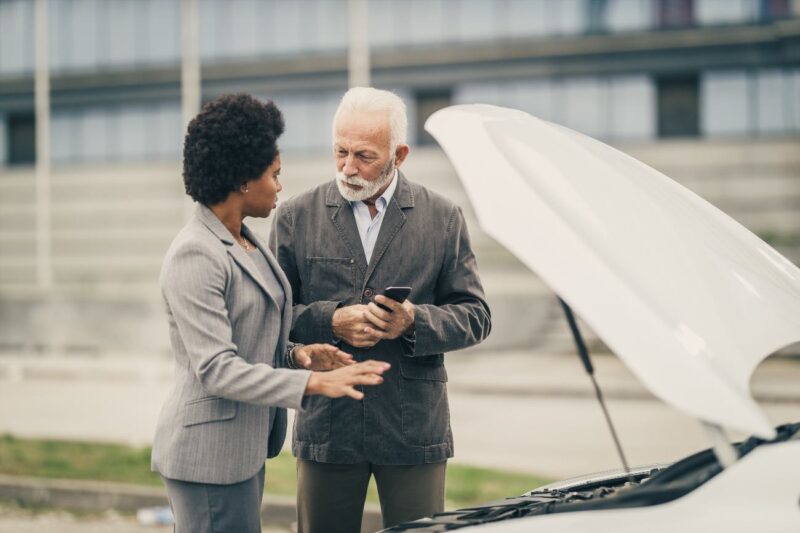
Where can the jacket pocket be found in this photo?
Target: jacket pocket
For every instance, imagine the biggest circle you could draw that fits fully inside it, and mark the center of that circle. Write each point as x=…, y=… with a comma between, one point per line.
x=424, y=369
x=207, y=410
x=330, y=278
x=425, y=409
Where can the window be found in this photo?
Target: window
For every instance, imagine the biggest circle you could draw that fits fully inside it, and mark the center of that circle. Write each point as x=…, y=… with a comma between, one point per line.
x=596, y=16
x=678, y=109
x=774, y=9
x=675, y=13
x=429, y=101
x=21, y=139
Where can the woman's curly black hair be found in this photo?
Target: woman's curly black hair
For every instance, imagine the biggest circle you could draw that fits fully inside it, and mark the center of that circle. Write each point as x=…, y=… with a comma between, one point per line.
x=231, y=141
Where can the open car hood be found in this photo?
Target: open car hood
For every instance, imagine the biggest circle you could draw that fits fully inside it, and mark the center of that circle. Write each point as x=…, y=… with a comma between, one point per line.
x=687, y=297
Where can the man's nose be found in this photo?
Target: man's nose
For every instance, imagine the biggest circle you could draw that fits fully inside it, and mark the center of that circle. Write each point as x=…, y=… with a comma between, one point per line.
x=349, y=167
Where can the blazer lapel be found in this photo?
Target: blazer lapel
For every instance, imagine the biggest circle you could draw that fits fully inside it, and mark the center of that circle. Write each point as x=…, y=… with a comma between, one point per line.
x=240, y=256
x=345, y=223
x=286, y=312
x=393, y=220
x=237, y=252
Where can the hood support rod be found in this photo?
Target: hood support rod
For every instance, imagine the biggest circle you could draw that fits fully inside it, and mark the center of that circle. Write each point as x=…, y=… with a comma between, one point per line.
x=583, y=353
x=725, y=451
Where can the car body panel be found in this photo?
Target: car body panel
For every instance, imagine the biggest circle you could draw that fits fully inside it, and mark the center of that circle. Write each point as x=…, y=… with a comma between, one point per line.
x=738, y=500
x=689, y=299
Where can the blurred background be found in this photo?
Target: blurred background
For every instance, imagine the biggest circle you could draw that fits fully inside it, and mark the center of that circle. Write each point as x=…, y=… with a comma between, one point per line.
x=95, y=95
x=707, y=91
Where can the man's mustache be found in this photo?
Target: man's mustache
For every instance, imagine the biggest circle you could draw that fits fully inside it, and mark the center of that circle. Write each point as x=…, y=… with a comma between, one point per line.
x=352, y=180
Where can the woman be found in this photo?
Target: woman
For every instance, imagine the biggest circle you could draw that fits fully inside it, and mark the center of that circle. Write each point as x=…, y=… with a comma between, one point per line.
x=229, y=309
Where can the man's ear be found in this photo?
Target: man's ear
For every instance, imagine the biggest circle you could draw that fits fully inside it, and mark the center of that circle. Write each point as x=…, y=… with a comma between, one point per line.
x=400, y=154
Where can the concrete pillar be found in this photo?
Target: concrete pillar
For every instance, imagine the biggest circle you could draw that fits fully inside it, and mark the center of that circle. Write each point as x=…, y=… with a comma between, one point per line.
x=358, y=47
x=191, y=84
x=44, y=268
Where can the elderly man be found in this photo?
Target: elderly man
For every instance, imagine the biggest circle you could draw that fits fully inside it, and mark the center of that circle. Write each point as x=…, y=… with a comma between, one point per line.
x=340, y=245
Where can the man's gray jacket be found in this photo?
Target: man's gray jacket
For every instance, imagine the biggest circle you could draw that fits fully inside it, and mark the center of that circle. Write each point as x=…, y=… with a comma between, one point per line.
x=423, y=244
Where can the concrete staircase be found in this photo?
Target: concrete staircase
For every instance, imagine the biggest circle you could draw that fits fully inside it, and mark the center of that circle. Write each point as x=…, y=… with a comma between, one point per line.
x=111, y=225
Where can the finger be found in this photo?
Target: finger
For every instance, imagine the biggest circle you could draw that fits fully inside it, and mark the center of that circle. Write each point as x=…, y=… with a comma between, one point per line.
x=364, y=343
x=344, y=361
x=375, y=319
x=379, y=311
x=392, y=305
x=376, y=367
x=388, y=302
x=377, y=333
x=366, y=379
x=301, y=358
x=368, y=332
x=353, y=393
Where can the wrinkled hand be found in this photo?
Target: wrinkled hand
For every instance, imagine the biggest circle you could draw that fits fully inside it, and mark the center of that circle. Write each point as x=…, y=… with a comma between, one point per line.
x=342, y=381
x=351, y=325
x=321, y=357
x=389, y=324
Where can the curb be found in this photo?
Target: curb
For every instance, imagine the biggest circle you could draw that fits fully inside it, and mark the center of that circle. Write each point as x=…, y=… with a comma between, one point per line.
x=82, y=495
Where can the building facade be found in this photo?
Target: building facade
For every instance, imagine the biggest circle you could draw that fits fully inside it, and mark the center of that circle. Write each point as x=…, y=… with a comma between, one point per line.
x=706, y=90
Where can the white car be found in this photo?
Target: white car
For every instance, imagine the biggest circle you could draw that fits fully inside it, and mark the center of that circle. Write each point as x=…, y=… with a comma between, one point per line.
x=689, y=299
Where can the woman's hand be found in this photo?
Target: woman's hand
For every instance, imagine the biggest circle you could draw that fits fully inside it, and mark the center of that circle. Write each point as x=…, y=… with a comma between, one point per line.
x=321, y=357
x=342, y=382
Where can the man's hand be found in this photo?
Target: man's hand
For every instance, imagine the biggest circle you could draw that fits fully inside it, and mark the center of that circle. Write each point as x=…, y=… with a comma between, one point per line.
x=389, y=324
x=351, y=325
x=342, y=382
x=321, y=357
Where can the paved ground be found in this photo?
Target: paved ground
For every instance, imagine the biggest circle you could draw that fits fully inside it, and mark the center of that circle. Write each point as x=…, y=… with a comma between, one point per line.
x=15, y=520
x=519, y=411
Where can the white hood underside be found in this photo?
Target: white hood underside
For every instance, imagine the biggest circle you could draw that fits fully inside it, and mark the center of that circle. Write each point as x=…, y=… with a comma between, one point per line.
x=688, y=298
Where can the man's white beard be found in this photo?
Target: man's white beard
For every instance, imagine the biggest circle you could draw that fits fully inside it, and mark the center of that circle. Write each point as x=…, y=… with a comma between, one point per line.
x=368, y=188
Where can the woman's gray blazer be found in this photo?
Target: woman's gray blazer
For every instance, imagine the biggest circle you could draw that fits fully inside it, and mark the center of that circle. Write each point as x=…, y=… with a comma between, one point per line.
x=214, y=426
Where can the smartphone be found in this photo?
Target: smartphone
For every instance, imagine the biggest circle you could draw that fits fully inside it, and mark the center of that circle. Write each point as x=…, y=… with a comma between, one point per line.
x=398, y=294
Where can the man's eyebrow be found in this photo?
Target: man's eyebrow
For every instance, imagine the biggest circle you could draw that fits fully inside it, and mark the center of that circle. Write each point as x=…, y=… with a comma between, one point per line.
x=362, y=151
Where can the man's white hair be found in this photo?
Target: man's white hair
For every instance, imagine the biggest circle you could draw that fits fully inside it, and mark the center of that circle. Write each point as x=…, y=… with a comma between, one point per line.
x=369, y=100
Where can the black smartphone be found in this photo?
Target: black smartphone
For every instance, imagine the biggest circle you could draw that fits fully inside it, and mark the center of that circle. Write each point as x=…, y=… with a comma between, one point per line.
x=398, y=294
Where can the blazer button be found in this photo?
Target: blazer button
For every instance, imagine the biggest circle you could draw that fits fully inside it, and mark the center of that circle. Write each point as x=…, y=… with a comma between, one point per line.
x=368, y=293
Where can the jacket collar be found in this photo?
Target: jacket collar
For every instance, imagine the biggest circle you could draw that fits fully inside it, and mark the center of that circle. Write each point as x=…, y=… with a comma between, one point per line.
x=210, y=220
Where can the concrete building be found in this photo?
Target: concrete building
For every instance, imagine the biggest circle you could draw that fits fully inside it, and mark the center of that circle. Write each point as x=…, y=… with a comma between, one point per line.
x=708, y=91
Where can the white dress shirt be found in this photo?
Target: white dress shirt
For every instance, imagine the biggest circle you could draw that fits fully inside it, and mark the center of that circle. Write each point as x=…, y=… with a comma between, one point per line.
x=368, y=227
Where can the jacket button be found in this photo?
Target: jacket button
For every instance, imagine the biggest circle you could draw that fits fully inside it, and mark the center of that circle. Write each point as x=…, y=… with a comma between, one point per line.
x=368, y=293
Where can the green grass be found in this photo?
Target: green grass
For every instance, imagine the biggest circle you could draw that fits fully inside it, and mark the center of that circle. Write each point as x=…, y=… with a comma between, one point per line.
x=466, y=485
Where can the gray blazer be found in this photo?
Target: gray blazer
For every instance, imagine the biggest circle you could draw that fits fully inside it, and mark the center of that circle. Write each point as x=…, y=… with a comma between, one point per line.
x=214, y=425
x=423, y=243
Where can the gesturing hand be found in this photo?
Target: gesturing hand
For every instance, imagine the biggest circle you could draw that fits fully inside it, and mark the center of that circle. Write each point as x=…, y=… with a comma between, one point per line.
x=321, y=357
x=342, y=381
x=351, y=325
x=389, y=324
